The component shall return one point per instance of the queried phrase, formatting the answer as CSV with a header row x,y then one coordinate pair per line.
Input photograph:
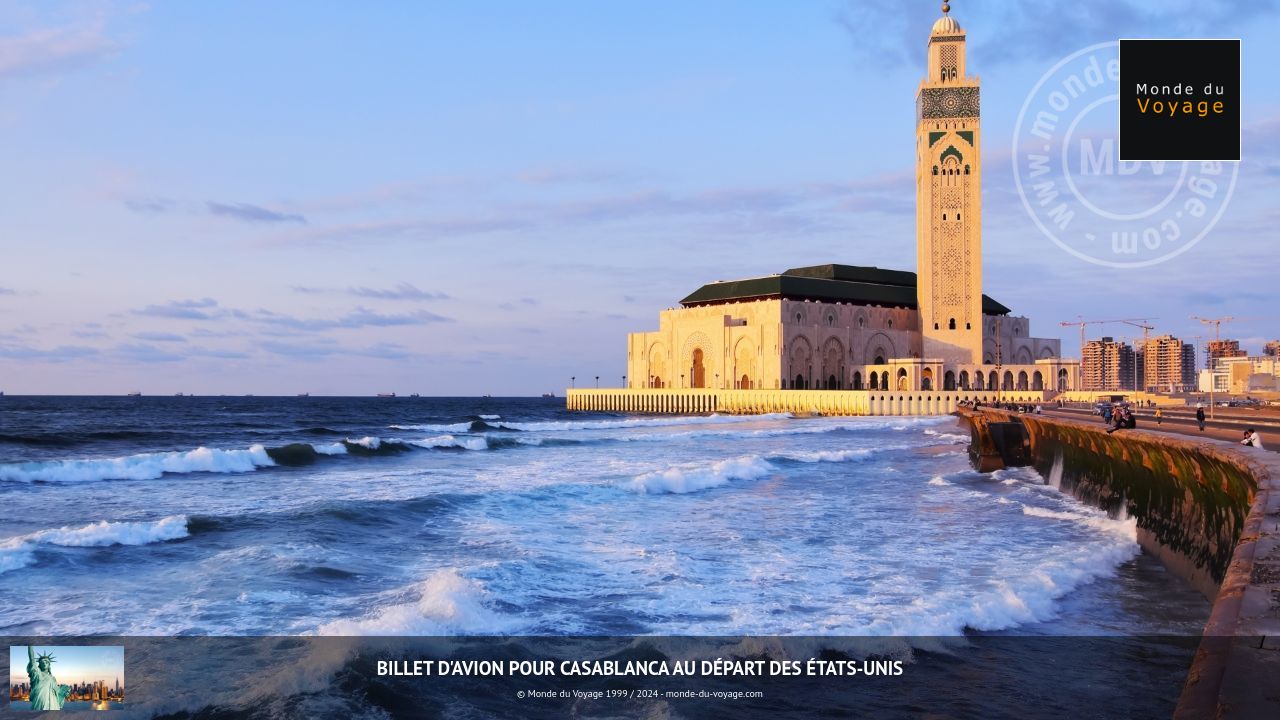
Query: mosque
x,y
844,327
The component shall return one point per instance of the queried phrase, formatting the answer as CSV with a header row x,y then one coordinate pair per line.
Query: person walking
x,y
1200,416
1106,415
1159,416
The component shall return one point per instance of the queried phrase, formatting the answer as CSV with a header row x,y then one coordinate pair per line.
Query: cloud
x,y
48,50
320,350
402,291
358,318
254,213
202,309
160,337
151,206
144,353
8,291
62,353
526,301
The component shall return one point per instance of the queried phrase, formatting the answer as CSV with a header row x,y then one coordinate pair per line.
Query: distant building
x,y
1242,375
1272,349
1217,349
1169,365
1107,365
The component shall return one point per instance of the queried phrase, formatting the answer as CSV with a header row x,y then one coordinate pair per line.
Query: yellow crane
x,y
1081,322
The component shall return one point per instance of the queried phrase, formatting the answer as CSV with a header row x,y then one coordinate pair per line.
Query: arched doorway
x,y
799,382
977,381
992,381
1022,379
926,379
1062,379
884,380
857,380
745,382
948,380
656,381
832,383
1008,380
964,379
902,379
698,372
875,380
1037,381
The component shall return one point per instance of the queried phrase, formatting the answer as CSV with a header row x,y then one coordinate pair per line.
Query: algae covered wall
x,y
1189,499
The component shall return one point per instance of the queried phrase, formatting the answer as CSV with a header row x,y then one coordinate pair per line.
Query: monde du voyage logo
x,y
1125,152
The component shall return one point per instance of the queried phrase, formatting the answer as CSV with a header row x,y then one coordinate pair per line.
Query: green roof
x,y
825,283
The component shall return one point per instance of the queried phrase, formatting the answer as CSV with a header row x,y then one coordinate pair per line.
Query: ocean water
x,y
431,516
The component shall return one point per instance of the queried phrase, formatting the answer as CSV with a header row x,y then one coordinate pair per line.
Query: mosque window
x,y
966,169
889,324
951,325
797,317
831,320
935,169
862,322
935,326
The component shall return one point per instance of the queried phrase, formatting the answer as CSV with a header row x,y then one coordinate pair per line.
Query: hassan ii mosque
x,y
845,327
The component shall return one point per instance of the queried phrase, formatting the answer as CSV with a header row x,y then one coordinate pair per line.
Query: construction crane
x,y
1082,322
1216,323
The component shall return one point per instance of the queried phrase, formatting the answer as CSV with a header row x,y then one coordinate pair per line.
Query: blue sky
x,y
73,664
485,197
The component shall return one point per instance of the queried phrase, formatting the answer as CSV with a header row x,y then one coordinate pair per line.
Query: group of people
x,y
1119,417
1252,439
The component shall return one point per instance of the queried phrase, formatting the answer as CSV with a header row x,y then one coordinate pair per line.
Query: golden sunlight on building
x,y
861,329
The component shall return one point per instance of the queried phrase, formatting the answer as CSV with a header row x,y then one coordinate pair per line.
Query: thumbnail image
x,y
85,677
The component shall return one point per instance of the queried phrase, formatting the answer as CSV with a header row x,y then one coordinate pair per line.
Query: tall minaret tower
x,y
949,201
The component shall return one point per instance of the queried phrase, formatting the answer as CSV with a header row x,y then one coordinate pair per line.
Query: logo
x,y
1082,196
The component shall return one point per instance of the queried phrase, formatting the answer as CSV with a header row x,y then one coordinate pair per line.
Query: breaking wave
x,y
144,466
691,478
17,552
446,603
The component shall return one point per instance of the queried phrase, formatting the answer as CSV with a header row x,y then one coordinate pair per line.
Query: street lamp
x,y
597,382
717,379
681,381
573,381
624,381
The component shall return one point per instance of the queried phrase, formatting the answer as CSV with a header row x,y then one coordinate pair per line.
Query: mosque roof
x,y
854,284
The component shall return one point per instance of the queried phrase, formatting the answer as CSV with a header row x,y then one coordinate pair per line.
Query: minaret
x,y
949,201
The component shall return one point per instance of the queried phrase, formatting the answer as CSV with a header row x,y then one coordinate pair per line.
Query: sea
x,y
319,516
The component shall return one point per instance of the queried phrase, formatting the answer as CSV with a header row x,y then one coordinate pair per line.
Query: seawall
x,y
1210,510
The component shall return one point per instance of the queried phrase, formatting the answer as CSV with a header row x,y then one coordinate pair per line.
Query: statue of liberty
x,y
46,693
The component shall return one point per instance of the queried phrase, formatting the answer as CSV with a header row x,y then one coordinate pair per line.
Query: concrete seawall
x,y
1210,510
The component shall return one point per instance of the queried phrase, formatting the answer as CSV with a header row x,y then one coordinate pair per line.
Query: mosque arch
x,y
1023,356
902,379
1037,381
879,348
659,373
745,368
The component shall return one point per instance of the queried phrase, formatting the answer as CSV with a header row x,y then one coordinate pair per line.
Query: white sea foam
x,y
446,603
451,441
834,456
490,417
17,552
331,449
145,466
368,441
447,428
691,478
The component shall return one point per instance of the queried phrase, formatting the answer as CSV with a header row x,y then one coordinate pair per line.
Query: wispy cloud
x,y
202,309
254,213
48,50
160,337
402,291
8,291
358,318
311,351
62,353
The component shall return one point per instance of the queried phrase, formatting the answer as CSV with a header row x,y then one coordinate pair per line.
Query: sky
x,y
485,197
72,665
